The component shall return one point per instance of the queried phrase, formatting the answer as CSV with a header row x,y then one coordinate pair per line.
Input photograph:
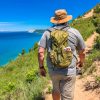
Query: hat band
x,y
60,17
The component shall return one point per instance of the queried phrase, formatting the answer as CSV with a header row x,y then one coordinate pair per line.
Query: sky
x,y
22,15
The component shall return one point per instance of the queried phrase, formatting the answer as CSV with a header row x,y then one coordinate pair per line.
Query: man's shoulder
x,y
48,30
74,30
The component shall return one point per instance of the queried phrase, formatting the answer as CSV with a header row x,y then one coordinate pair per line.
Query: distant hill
x,y
88,23
39,30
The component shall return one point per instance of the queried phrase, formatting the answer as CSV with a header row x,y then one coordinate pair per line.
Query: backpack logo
x,y
59,56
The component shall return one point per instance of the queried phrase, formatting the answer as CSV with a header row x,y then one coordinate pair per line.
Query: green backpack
x,y
59,41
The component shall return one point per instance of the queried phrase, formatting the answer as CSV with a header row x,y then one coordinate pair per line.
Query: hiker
x,y
61,42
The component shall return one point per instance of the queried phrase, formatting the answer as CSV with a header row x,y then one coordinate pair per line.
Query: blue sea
x,y
12,43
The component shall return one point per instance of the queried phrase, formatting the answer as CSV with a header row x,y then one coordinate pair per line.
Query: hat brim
x,y
53,20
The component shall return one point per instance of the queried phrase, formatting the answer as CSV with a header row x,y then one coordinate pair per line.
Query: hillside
x,y
20,79
90,24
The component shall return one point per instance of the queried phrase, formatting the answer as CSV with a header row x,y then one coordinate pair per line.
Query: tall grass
x,y
85,26
95,55
19,80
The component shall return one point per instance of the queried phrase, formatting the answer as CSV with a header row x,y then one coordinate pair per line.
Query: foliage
x,y
19,80
96,18
89,61
97,9
85,26
23,51
96,22
98,79
35,46
31,75
98,29
95,55
49,89
97,43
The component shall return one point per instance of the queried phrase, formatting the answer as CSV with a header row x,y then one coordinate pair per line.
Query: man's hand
x,y
80,64
42,71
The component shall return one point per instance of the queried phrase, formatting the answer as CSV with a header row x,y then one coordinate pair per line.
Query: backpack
x,y
59,41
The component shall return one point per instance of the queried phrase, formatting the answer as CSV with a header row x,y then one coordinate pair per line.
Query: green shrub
x,y
89,61
49,89
31,75
35,46
23,51
97,43
19,80
98,79
98,30
10,86
97,9
96,22
85,26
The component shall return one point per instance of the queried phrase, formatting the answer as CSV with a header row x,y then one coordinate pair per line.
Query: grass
x,y
89,61
85,26
19,80
95,55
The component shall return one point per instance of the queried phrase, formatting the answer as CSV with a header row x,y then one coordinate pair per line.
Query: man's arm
x,y
80,48
81,57
41,52
41,56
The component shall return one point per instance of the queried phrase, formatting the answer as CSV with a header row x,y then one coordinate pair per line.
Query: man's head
x,y
60,17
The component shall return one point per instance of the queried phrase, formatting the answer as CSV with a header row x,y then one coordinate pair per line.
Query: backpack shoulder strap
x,y
73,31
51,29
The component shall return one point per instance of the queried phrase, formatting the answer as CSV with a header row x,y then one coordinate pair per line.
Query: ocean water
x,y
12,43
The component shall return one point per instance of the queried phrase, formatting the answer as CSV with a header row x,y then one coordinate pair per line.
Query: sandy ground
x,y
90,41
80,93
90,14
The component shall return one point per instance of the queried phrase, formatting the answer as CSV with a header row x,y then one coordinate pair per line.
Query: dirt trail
x,y
90,14
80,93
90,41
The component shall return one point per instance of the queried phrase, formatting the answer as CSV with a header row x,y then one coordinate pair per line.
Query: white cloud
x,y
6,23
19,26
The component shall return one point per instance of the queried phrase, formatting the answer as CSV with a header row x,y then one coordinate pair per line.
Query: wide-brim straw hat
x,y
60,17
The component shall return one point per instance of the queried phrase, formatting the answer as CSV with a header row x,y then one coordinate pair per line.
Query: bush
x,y
98,79
31,75
35,46
23,52
10,86
98,30
97,9
88,68
97,43
85,26
96,21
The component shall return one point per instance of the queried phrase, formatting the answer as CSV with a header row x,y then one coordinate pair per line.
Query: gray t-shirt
x,y
75,40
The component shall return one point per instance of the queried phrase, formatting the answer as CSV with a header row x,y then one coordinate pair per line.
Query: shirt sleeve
x,y
80,41
43,40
